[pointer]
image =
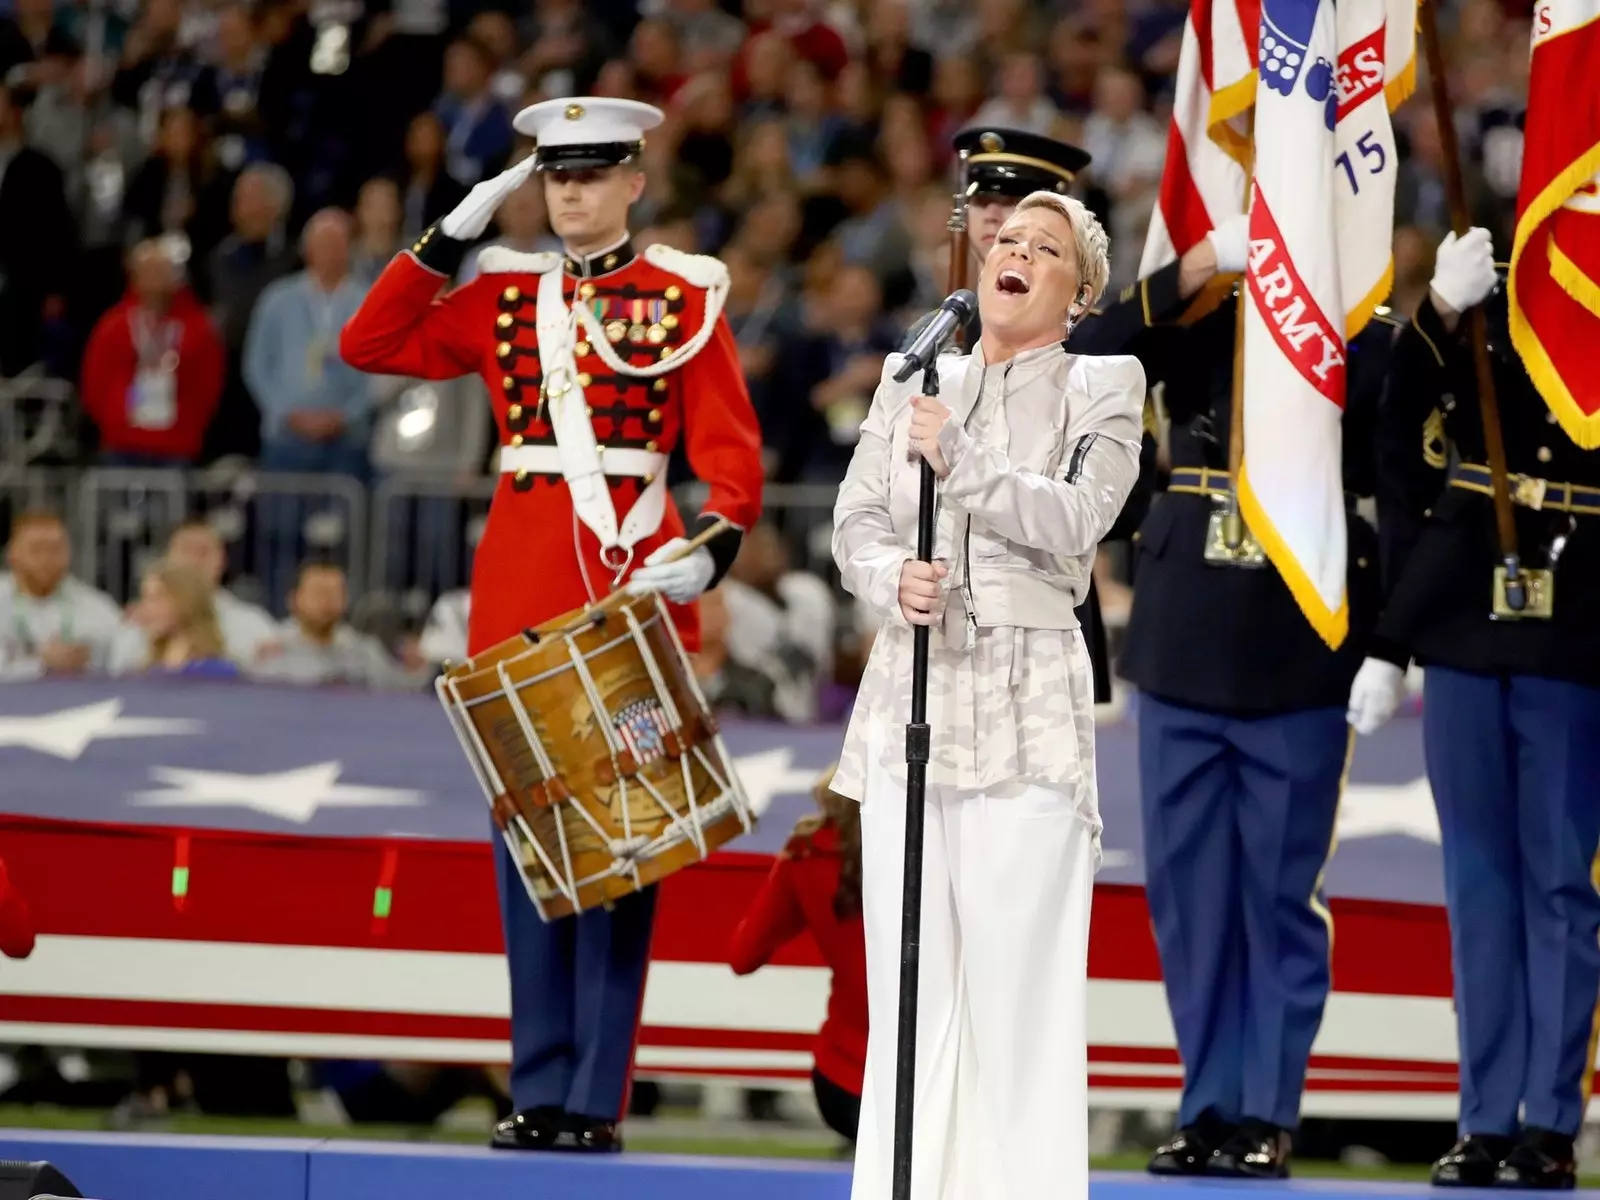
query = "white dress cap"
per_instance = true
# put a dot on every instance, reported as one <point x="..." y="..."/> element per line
<point x="581" y="132"/>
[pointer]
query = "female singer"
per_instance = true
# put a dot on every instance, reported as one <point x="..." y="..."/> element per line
<point x="1036" y="449"/>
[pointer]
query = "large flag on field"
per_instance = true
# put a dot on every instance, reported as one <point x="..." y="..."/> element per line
<point x="1554" y="286"/>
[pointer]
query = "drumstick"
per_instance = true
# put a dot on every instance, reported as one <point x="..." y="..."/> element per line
<point x="688" y="548"/>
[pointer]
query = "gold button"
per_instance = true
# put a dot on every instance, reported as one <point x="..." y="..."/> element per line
<point x="516" y="439"/>
<point x="574" y="112"/>
<point x="654" y="416"/>
<point x="508" y="384"/>
<point x="649" y="478"/>
<point x="505" y="321"/>
<point x="511" y="295"/>
<point x="588" y="410"/>
<point x="611" y="261"/>
<point x="1550" y="418"/>
<point x="666" y="352"/>
<point x="1543" y="454"/>
<point x="669" y="321"/>
<point x="503" y="349"/>
<point x="674" y="292"/>
<point x="585" y="379"/>
<point x="514" y="412"/>
<point x="581" y="349"/>
<point x="1362" y="563"/>
<point x="650" y="446"/>
<point x="586" y="291"/>
<point x="659" y="385"/>
<point x="521" y="477"/>
<point x="1427" y="512"/>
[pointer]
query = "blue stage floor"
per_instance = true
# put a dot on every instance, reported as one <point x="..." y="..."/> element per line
<point x="154" y="1167"/>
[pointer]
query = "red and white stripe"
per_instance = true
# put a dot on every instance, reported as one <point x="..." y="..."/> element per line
<point x="1203" y="183"/>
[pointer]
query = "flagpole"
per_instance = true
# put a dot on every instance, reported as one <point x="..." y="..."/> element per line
<point x="1477" y="325"/>
<point x="1233" y="522"/>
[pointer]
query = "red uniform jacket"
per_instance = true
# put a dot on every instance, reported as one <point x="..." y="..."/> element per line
<point x="528" y="568"/>
<point x="16" y="923"/>
<point x="798" y="896"/>
<point x="111" y="364"/>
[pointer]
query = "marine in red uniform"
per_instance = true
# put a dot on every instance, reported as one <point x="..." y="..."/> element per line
<point x="599" y="362"/>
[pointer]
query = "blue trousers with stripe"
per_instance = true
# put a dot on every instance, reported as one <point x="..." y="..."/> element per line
<point x="1238" y="825"/>
<point x="1514" y="764"/>
<point x="576" y="989"/>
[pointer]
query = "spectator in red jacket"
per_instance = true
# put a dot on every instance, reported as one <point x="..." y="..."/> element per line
<point x="153" y="369"/>
<point x="816" y="885"/>
<point x="16" y="923"/>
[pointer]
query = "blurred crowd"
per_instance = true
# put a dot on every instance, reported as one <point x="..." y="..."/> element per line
<point x="197" y="193"/>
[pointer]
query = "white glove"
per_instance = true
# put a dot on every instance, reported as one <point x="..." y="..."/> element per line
<point x="1463" y="271"/>
<point x="680" y="580"/>
<point x="1230" y="242"/>
<point x="471" y="217"/>
<point x="1378" y="689"/>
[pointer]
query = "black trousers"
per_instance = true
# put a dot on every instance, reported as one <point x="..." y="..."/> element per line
<point x="841" y="1109"/>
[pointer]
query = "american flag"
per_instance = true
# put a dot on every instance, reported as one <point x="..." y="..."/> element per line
<point x="643" y="728"/>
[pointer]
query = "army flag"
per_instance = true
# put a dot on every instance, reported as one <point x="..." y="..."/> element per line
<point x="1291" y="489"/>
<point x="1554" y="283"/>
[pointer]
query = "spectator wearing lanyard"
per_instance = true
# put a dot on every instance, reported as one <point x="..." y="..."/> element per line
<point x="477" y="126"/>
<point x="315" y="408"/>
<point x="50" y="622"/>
<point x="153" y="369"/>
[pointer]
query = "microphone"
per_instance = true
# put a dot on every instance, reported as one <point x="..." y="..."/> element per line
<point x="955" y="313"/>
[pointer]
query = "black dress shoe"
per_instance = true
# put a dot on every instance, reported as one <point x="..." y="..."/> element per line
<point x="1543" y="1161"/>
<point x="1189" y="1149"/>
<point x="588" y="1135"/>
<point x="1257" y="1150"/>
<point x="1471" y="1162"/>
<point x="530" y="1129"/>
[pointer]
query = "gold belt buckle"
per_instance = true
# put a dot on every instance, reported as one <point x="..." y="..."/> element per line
<point x="1529" y="492"/>
<point x="1540" y="590"/>
<point x="1227" y="526"/>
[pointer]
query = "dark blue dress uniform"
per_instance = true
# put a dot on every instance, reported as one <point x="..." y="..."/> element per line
<point x="1243" y="748"/>
<point x="1511" y="731"/>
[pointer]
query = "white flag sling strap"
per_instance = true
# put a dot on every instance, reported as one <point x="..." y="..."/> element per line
<point x="581" y="457"/>
<point x="1291" y="483"/>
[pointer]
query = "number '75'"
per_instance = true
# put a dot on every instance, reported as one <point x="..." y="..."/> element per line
<point x="1370" y="150"/>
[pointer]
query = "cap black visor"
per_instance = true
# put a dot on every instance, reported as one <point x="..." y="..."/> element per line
<point x="584" y="158"/>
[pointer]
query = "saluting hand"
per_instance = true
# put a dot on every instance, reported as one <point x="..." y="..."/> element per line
<point x="927" y="418"/>
<point x="920" y="591"/>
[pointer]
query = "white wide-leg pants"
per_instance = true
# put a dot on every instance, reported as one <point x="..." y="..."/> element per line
<point x="1002" y="1059"/>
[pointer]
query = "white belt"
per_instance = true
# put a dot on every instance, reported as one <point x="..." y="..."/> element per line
<point x="614" y="460"/>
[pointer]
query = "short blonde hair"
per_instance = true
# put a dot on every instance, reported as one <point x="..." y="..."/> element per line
<point x="1089" y="238"/>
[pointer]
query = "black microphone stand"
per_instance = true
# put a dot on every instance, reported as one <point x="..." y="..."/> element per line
<point x="918" y="739"/>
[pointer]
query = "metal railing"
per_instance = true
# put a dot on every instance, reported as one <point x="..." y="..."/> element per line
<point x="401" y="543"/>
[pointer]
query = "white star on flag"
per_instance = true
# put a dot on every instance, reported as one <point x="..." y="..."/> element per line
<point x="289" y="795"/>
<point x="1389" y="810"/>
<point x="69" y="732"/>
<point x="770" y="774"/>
